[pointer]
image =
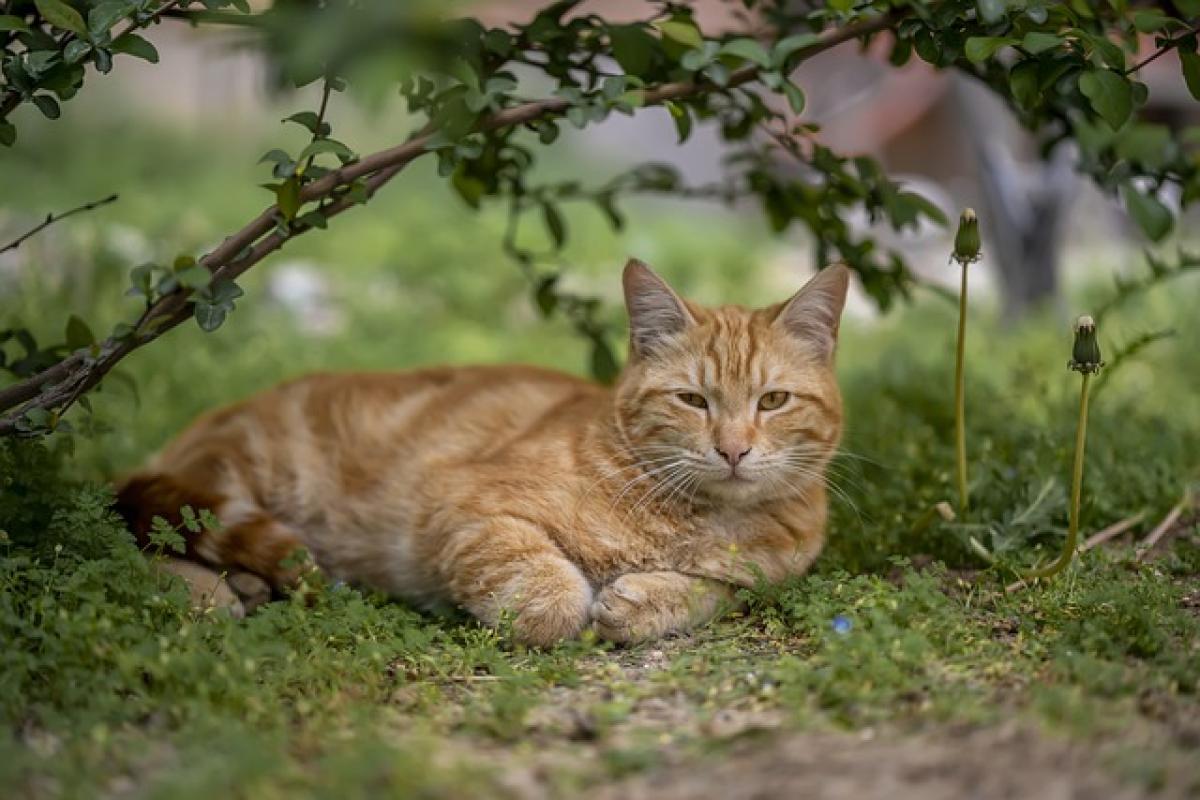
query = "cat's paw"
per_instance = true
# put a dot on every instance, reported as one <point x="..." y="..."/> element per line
<point x="623" y="611"/>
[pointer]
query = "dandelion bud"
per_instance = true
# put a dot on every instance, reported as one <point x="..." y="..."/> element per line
<point x="1085" y="355"/>
<point x="966" y="241"/>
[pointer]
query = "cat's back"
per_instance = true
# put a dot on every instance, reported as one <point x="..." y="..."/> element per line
<point x="423" y="415"/>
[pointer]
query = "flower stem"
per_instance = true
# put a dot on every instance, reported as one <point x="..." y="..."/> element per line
<point x="960" y="406"/>
<point x="1068" y="552"/>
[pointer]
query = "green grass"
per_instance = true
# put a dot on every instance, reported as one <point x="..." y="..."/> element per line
<point x="110" y="683"/>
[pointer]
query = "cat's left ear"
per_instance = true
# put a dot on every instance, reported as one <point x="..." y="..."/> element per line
<point x="814" y="313"/>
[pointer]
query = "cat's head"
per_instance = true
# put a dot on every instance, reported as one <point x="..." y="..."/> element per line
<point x="729" y="404"/>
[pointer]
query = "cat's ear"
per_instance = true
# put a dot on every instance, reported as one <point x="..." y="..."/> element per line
<point x="814" y="312"/>
<point x="655" y="311"/>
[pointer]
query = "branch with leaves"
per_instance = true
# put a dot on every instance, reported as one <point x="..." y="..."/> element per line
<point x="206" y="290"/>
<point x="1063" y="69"/>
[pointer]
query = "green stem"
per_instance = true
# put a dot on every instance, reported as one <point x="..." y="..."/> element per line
<point x="960" y="408"/>
<point x="1068" y="552"/>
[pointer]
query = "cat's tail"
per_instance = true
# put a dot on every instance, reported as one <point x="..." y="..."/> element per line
<point x="144" y="496"/>
<point x="247" y="538"/>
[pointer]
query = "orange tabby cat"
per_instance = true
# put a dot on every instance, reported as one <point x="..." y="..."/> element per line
<point x="523" y="492"/>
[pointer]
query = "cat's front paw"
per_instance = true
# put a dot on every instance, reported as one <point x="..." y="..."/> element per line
<point x="639" y="606"/>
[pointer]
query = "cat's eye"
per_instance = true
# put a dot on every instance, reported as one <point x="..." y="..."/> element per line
<point x="772" y="400"/>
<point x="692" y="399"/>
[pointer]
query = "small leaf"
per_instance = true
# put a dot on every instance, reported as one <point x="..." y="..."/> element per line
<point x="47" y="105"/>
<point x="1152" y="216"/>
<point x="682" y="119"/>
<point x="1190" y="64"/>
<point x="287" y="197"/>
<point x="10" y="23"/>
<point x="685" y="33"/>
<point x="555" y="224"/>
<point x="194" y="277"/>
<point x="75" y="50"/>
<point x="308" y="119"/>
<point x="61" y="15"/>
<point x="106" y="14"/>
<point x="1037" y="42"/>
<point x="990" y="11"/>
<point x="795" y="97"/>
<point x="1149" y="21"/>
<point x="209" y="317"/>
<point x="604" y="363"/>
<point x="134" y="45"/>
<point x="545" y="296"/>
<point x="1110" y="95"/>
<point x="981" y="48"/>
<point x="633" y="48"/>
<point x="787" y="46"/>
<point x="326" y="146"/>
<point x="748" y="49"/>
<point x="78" y="334"/>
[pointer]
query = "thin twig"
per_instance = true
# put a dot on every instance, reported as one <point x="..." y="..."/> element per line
<point x="1162" y="51"/>
<point x="1111" y="532"/>
<point x="1167" y="525"/>
<point x="53" y="218"/>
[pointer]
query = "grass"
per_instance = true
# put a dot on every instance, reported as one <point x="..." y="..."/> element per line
<point x="110" y="684"/>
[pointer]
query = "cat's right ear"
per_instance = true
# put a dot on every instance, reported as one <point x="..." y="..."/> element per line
<point x="655" y="311"/>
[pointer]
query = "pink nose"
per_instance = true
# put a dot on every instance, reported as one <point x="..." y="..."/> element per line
<point x="732" y="453"/>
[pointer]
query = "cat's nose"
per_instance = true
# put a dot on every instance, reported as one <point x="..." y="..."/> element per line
<point x="732" y="455"/>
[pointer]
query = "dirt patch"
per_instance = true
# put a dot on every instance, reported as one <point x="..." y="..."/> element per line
<point x="982" y="764"/>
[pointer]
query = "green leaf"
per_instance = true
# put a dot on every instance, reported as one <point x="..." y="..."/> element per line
<point x="981" y="48"/>
<point x="1149" y="21"/>
<point x="308" y="119"/>
<point x="78" y="334"/>
<point x="469" y="187"/>
<point x="748" y="49"/>
<point x="8" y="133"/>
<point x="785" y="47"/>
<point x="685" y="33"/>
<point x="134" y="45"/>
<point x="1037" y="42"/>
<point x="194" y="277"/>
<point x="633" y="48"/>
<point x="209" y="316"/>
<point x="10" y="23"/>
<point x="1023" y="84"/>
<point x="991" y="11"/>
<point x="544" y="295"/>
<point x="278" y="156"/>
<point x="1110" y="95"/>
<point x="1190" y="64"/>
<point x="75" y="50"/>
<point x="47" y="105"/>
<point x="1147" y="144"/>
<point x="326" y="146"/>
<point x="555" y="224"/>
<point x="604" y="363"/>
<point x="1152" y="216"/>
<point x="682" y="119"/>
<point x="224" y="292"/>
<point x="104" y="15"/>
<point x="795" y="97"/>
<point x="61" y="15"/>
<point x="287" y="197"/>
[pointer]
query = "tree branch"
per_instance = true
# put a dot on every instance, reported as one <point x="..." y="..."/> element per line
<point x="52" y="218"/>
<point x="56" y="387"/>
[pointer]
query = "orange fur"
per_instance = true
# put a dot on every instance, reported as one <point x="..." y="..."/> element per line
<point x="524" y="492"/>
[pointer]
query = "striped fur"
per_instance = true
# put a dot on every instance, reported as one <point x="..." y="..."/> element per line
<point x="520" y="492"/>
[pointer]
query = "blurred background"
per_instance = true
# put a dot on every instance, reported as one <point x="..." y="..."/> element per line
<point x="417" y="277"/>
